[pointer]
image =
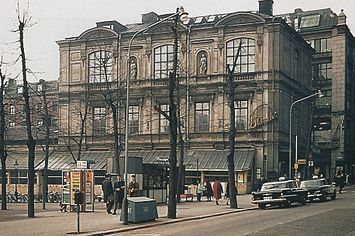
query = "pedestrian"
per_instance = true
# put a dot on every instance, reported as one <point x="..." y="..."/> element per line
<point x="339" y="180"/>
<point x="133" y="187"/>
<point x="118" y="193"/>
<point x="199" y="191"/>
<point x="108" y="192"/>
<point x="208" y="188"/>
<point x="217" y="190"/>
<point x="226" y="195"/>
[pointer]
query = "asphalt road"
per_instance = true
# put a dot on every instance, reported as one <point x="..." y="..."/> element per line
<point x="323" y="218"/>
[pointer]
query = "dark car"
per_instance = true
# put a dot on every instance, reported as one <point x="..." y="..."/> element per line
<point x="319" y="189"/>
<point x="280" y="193"/>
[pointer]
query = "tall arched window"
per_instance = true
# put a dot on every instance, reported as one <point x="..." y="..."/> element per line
<point x="246" y="59"/>
<point x="163" y="61"/>
<point x="100" y="67"/>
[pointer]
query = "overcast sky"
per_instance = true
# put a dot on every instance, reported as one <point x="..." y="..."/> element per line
<point x="58" y="19"/>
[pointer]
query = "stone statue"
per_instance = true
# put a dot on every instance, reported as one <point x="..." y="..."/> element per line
<point x="133" y="72"/>
<point x="203" y="65"/>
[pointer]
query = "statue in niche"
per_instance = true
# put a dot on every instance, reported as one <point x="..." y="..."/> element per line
<point x="133" y="72"/>
<point x="203" y="64"/>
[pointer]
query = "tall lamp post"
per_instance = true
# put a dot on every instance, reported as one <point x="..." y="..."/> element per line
<point x="16" y="179"/>
<point x="319" y="94"/>
<point x="183" y="16"/>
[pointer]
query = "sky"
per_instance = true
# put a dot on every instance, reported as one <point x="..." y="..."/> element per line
<point x="58" y="19"/>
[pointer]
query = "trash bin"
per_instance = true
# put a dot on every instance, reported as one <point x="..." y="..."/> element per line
<point x="141" y="209"/>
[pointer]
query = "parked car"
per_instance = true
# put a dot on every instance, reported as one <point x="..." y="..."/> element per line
<point x="319" y="189"/>
<point x="280" y="193"/>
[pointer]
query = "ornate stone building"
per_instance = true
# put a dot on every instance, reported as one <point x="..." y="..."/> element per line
<point x="273" y="70"/>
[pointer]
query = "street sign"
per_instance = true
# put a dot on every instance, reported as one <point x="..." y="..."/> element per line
<point x="302" y="161"/>
<point x="82" y="164"/>
<point x="310" y="163"/>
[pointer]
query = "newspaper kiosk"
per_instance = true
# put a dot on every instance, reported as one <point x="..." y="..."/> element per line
<point x="80" y="180"/>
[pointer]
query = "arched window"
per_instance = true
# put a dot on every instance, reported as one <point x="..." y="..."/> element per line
<point x="163" y="61"/>
<point x="246" y="59"/>
<point x="100" y="67"/>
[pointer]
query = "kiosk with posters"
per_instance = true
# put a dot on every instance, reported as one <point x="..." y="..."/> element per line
<point x="81" y="180"/>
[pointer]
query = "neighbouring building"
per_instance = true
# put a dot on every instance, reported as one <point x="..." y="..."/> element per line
<point x="333" y="130"/>
<point x="273" y="70"/>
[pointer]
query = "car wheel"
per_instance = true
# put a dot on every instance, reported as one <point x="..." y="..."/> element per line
<point x="334" y="195"/>
<point x="323" y="198"/>
<point x="262" y="206"/>
<point x="287" y="204"/>
<point x="303" y="201"/>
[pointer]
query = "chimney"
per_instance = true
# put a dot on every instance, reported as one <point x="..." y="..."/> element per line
<point x="265" y="7"/>
<point x="342" y="18"/>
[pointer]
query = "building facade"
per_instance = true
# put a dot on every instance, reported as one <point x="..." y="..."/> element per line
<point x="273" y="70"/>
<point x="332" y="141"/>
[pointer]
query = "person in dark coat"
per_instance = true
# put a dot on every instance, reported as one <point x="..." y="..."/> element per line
<point x="133" y="187"/>
<point x="119" y="193"/>
<point x="208" y="188"/>
<point x="339" y="180"/>
<point x="217" y="190"/>
<point x="108" y="193"/>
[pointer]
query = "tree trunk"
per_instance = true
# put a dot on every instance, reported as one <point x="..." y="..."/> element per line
<point x="31" y="143"/>
<point x="232" y="134"/>
<point x="173" y="131"/>
<point x="116" y="138"/>
<point x="3" y="153"/>
<point x="45" y="169"/>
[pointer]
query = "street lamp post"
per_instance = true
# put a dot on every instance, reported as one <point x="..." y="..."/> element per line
<point x="16" y="179"/>
<point x="183" y="18"/>
<point x="319" y="94"/>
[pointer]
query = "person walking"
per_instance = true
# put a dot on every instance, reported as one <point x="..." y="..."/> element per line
<point x="217" y="190"/>
<point x="108" y="192"/>
<point x="119" y="193"/>
<point x="208" y="188"/>
<point x="339" y="180"/>
<point x="226" y="195"/>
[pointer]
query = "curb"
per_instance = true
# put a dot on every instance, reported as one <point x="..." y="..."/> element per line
<point x="173" y="221"/>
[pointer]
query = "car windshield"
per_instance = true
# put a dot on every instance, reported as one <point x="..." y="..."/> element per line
<point x="312" y="183"/>
<point x="268" y="186"/>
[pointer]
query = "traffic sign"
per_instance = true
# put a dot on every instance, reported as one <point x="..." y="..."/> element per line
<point x="302" y="161"/>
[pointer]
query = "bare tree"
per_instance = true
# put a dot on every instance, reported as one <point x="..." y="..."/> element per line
<point x="23" y="22"/>
<point x="3" y="152"/>
<point x="112" y="101"/>
<point x="232" y="132"/>
<point x="46" y="122"/>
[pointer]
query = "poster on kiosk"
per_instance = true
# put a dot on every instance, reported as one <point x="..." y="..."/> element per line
<point x="79" y="179"/>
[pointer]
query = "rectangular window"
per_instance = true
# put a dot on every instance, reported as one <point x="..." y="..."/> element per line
<point x="202" y="116"/>
<point x="100" y="67"/>
<point x="99" y="121"/>
<point x="11" y="124"/>
<point x="12" y="109"/>
<point x="241" y="115"/>
<point x="133" y="114"/>
<point x="246" y="58"/>
<point x="54" y="106"/>
<point x="321" y="45"/>
<point x="163" y="61"/>
<point x="163" y="122"/>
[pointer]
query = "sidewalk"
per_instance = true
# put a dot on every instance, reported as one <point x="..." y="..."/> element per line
<point x="15" y="222"/>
